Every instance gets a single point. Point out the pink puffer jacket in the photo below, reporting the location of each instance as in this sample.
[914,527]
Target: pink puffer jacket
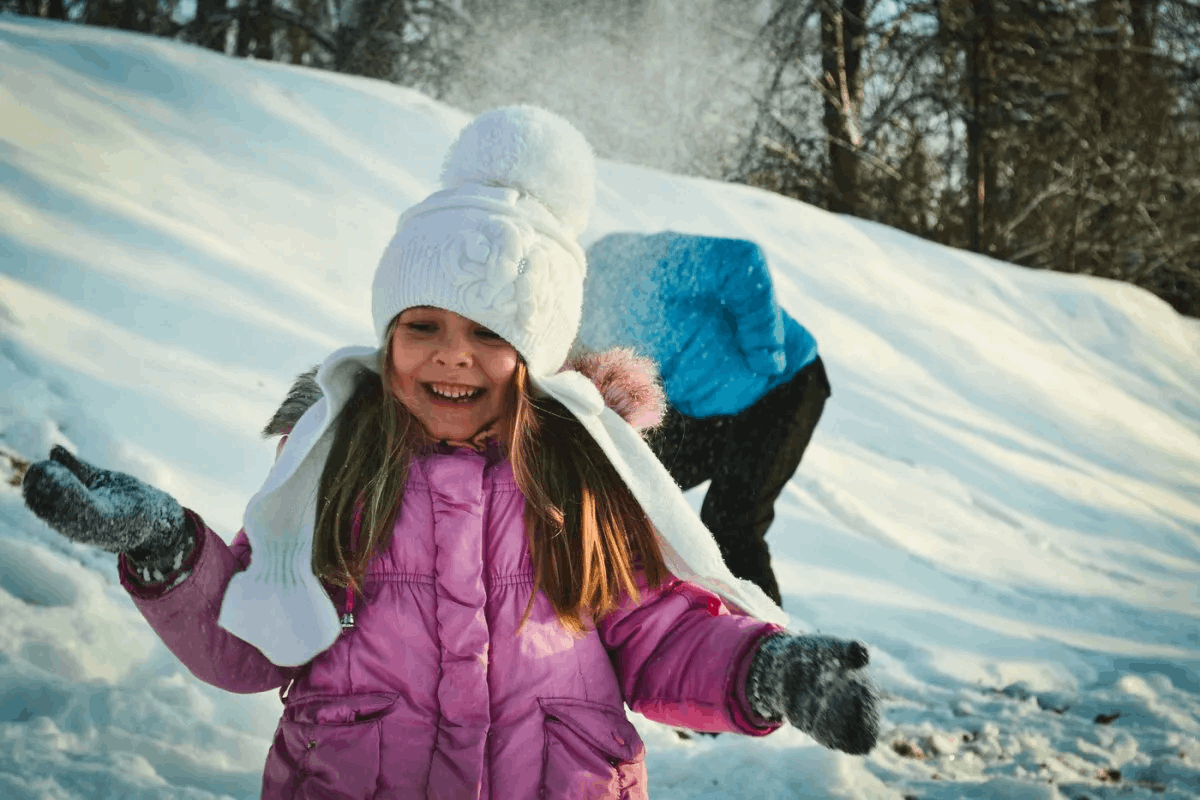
[434,694]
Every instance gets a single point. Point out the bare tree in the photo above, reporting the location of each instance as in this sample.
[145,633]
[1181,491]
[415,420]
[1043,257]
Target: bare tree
[1058,134]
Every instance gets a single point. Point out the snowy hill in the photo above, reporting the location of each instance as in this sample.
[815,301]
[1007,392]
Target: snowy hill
[1002,499]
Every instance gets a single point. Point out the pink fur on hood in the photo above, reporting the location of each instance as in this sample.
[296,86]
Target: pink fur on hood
[628,383]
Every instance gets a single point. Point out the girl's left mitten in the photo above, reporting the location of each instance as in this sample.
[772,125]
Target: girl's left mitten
[111,510]
[820,685]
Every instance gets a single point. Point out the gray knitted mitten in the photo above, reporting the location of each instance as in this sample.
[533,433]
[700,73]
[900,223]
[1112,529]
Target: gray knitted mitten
[819,684]
[111,510]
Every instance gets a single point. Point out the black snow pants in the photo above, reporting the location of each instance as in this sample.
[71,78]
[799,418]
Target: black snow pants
[749,457]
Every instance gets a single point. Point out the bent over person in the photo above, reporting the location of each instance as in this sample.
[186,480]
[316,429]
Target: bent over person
[744,383]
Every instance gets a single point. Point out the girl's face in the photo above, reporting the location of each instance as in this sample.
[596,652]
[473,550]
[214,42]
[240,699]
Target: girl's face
[453,374]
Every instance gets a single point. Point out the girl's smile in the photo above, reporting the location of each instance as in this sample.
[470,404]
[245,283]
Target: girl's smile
[453,374]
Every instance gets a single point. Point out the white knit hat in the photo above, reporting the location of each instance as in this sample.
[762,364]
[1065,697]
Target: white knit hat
[499,246]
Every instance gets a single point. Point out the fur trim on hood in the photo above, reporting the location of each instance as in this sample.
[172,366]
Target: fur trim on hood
[628,383]
[303,394]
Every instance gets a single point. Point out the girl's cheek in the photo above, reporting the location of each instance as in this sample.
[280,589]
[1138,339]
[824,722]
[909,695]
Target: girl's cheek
[505,368]
[505,383]
[507,392]
[405,361]
[401,385]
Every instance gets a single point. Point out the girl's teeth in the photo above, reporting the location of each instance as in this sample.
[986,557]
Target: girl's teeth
[452,392]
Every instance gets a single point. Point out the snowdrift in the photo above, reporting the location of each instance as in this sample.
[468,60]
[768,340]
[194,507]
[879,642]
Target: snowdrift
[1002,499]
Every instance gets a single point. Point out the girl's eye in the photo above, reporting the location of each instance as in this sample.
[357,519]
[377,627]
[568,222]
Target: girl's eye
[421,327]
[488,334]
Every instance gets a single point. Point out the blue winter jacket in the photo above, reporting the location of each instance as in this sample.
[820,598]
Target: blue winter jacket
[703,307]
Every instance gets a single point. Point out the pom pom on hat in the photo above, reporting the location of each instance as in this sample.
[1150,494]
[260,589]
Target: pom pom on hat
[532,150]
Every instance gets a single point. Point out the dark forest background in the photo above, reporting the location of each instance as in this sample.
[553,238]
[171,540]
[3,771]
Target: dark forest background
[1055,135]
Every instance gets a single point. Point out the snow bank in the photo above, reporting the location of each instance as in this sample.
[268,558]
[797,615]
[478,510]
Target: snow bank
[1002,498]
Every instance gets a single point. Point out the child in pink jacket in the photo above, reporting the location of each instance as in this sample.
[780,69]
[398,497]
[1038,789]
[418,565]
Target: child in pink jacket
[465,561]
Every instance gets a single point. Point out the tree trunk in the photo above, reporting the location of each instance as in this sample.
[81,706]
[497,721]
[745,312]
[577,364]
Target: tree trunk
[842,29]
[298,40]
[264,28]
[1143,18]
[243,40]
[125,16]
[210,34]
[1149,101]
[254,30]
[1108,64]
[978,120]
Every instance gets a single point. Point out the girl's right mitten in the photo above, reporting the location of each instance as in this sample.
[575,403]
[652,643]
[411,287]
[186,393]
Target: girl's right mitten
[820,685]
[111,510]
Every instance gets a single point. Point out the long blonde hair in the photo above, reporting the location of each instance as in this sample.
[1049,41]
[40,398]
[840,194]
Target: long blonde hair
[588,536]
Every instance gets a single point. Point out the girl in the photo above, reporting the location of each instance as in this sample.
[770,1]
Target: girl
[463,562]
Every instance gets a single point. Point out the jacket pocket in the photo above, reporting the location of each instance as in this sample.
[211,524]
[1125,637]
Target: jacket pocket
[327,747]
[591,752]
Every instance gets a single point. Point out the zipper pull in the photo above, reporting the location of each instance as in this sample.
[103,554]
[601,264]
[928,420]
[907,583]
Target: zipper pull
[348,611]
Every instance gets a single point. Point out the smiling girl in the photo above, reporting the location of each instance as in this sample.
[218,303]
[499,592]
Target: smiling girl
[511,565]
[451,373]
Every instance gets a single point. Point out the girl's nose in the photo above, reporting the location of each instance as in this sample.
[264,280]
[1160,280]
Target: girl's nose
[452,359]
[454,354]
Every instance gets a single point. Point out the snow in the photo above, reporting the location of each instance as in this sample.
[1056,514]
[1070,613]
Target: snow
[1002,499]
